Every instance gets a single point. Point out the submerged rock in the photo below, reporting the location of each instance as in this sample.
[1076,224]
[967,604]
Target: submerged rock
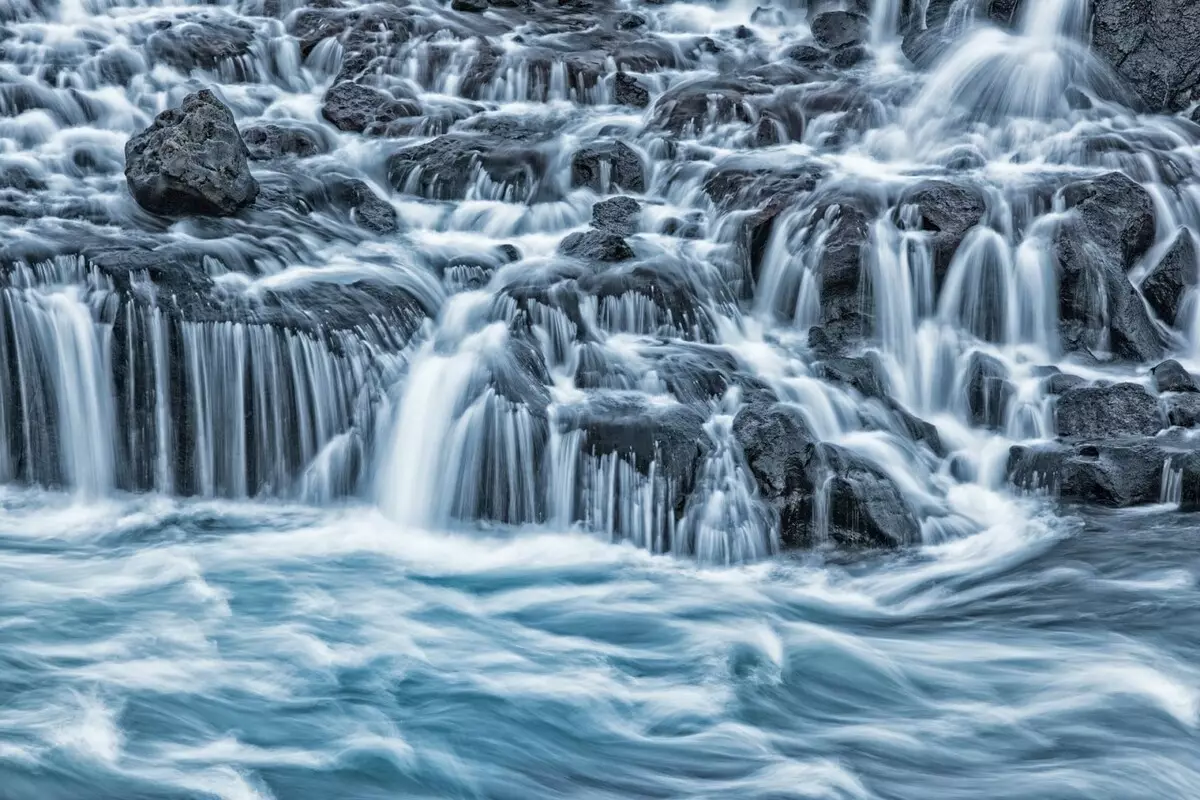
[834,29]
[191,160]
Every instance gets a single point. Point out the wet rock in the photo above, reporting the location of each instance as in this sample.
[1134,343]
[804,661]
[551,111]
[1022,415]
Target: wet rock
[370,211]
[1124,409]
[845,306]
[1170,376]
[191,160]
[1154,45]
[629,92]
[778,446]
[596,245]
[470,6]
[807,54]
[847,57]
[865,507]
[270,141]
[1105,473]
[444,168]
[1111,226]
[617,215]
[1061,383]
[1169,281]
[864,374]
[19,178]
[1183,410]
[202,43]
[628,21]
[624,168]
[311,26]
[669,436]
[675,301]
[361,109]
[691,106]
[917,429]
[947,211]
[988,391]
[834,29]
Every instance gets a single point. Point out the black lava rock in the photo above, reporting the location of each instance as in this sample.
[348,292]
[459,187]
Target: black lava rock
[191,160]
[629,91]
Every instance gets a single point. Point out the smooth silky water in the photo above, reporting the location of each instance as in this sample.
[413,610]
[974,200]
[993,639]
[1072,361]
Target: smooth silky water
[374,560]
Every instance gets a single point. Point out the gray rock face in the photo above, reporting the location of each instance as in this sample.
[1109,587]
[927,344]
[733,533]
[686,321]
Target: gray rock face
[1166,285]
[191,160]
[1125,409]
[1154,46]
[834,29]
[270,141]
[629,91]
[1112,225]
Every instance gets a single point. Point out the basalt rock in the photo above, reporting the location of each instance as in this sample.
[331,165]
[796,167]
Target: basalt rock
[608,164]
[988,391]
[191,160]
[1124,409]
[1111,226]
[1154,46]
[202,43]
[596,245]
[947,211]
[1169,281]
[834,29]
[628,91]
[617,215]
[362,109]
[691,106]
[1115,474]
[270,141]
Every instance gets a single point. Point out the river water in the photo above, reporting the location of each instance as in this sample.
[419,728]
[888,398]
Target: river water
[295,509]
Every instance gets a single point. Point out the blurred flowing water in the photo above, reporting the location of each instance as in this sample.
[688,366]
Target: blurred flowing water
[292,510]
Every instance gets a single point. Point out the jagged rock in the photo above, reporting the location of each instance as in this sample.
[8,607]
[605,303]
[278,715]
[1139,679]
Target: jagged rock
[270,141]
[1154,45]
[863,373]
[1111,225]
[371,211]
[361,109]
[988,391]
[864,508]
[1183,410]
[1170,376]
[1176,273]
[833,29]
[629,91]
[1109,474]
[594,245]
[617,215]
[202,43]
[947,211]
[1124,409]
[690,106]
[625,169]
[191,160]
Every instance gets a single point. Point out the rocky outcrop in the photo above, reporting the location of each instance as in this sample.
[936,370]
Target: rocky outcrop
[1154,46]
[1100,413]
[191,160]
[1110,227]
[1168,283]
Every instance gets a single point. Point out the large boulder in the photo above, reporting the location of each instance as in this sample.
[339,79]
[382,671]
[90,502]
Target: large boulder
[1109,474]
[1169,281]
[361,109]
[1110,227]
[1154,45]
[1095,412]
[596,245]
[1170,376]
[793,472]
[947,211]
[191,160]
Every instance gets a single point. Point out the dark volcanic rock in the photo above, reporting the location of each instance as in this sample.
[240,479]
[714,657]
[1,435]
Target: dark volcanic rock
[834,29]
[356,108]
[1154,45]
[267,142]
[862,373]
[444,168]
[191,160]
[1112,225]
[845,306]
[1170,376]
[863,506]
[1183,410]
[617,215]
[200,44]
[625,169]
[671,436]
[629,91]
[371,211]
[1061,383]
[988,391]
[1109,474]
[594,245]
[690,106]
[1166,285]
[1124,409]
[947,211]
[470,6]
